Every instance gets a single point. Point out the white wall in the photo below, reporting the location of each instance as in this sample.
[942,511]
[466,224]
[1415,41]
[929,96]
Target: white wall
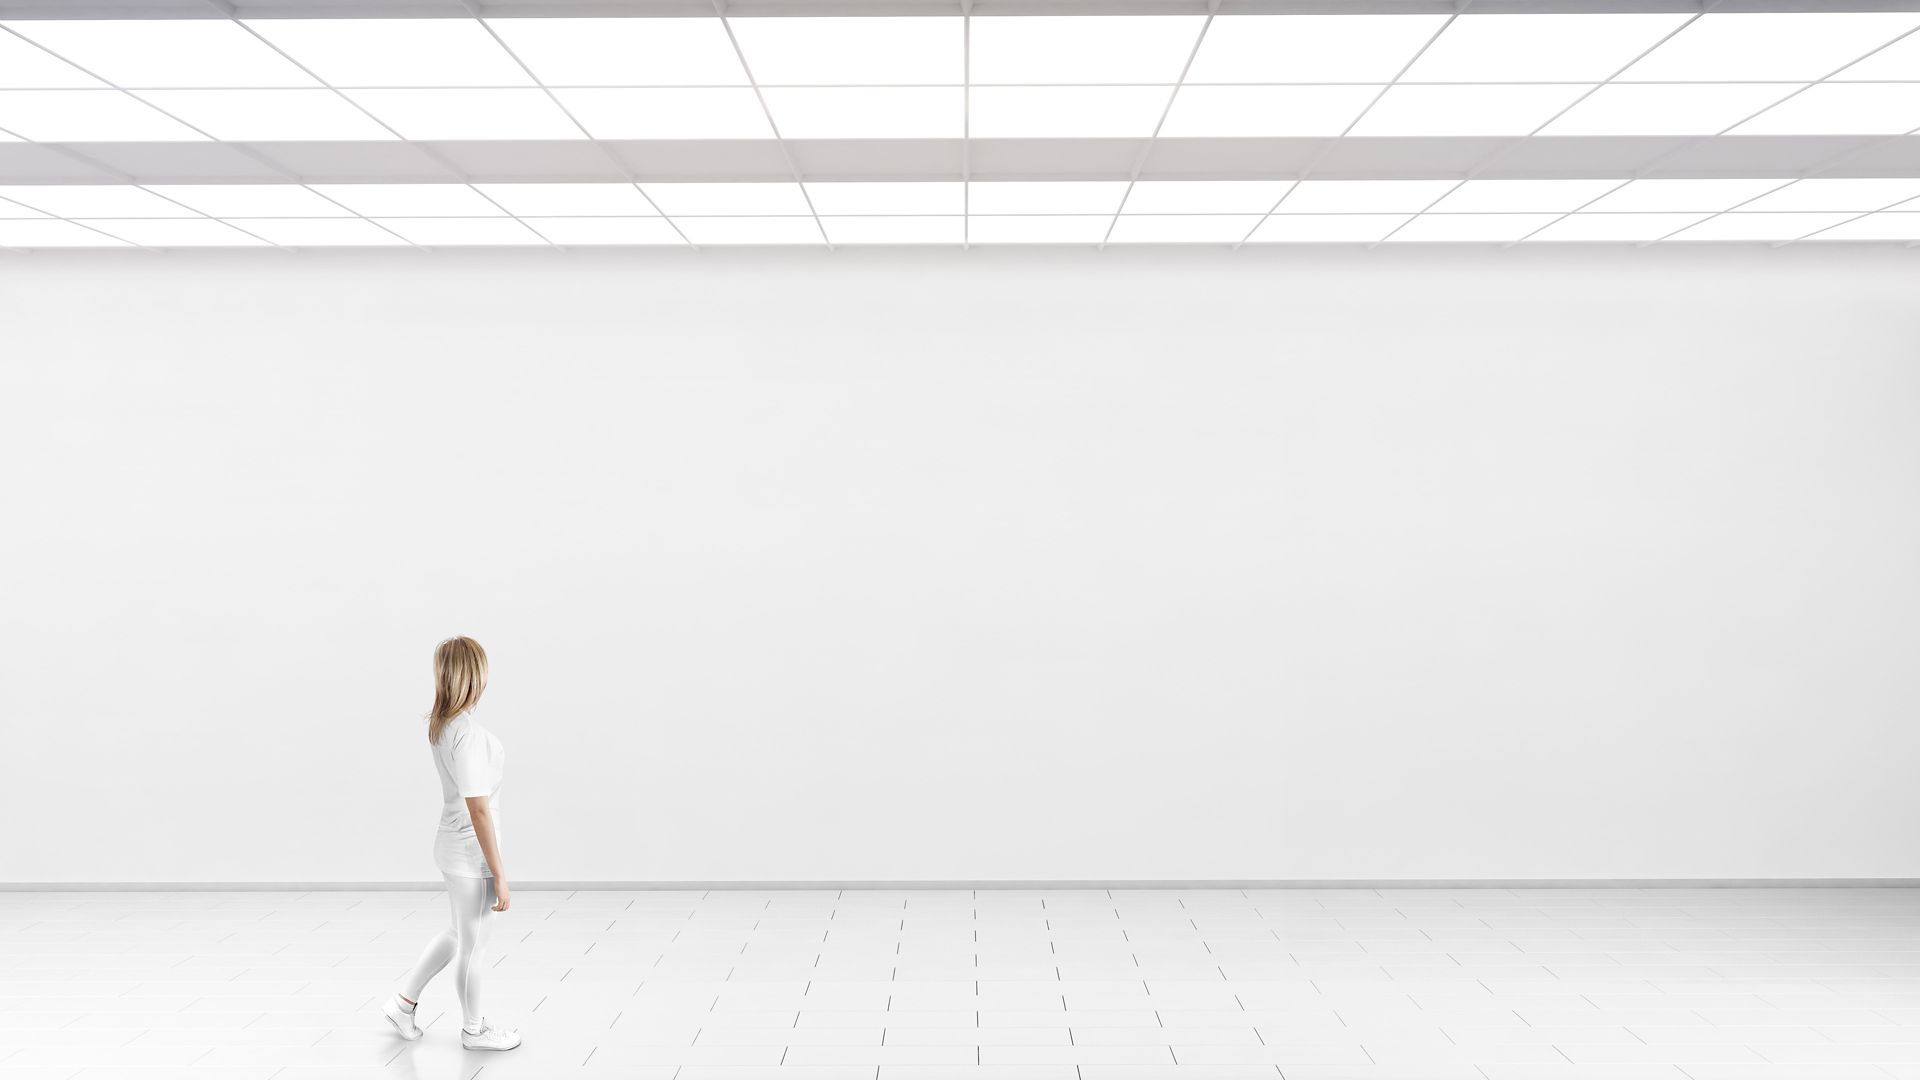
[1436,563]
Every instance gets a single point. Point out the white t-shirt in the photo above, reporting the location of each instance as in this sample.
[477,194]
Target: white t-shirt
[471,762]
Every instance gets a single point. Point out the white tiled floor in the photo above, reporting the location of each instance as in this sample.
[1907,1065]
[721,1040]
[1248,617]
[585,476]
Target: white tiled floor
[1488,984]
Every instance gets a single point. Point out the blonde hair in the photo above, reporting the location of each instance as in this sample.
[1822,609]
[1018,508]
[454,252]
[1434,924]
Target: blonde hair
[459,678]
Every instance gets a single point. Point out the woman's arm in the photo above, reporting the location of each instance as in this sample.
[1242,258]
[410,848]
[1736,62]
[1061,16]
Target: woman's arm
[489,846]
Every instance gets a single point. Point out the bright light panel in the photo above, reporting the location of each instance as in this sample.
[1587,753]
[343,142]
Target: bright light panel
[1309,48]
[1615,228]
[469,114]
[1841,109]
[751,230]
[712,113]
[463,232]
[48,233]
[24,65]
[1082,48]
[1087,112]
[323,232]
[1771,227]
[166,52]
[11,209]
[852,50]
[88,116]
[1465,110]
[410,200]
[624,52]
[726,200]
[1772,45]
[1182,228]
[1665,109]
[1474,228]
[395,52]
[1362,196]
[94,200]
[570,200]
[874,198]
[895,230]
[1273,111]
[194,232]
[250,200]
[1900,60]
[1326,228]
[1539,48]
[1903,226]
[269,115]
[1063,197]
[1711,196]
[1038,229]
[1522,196]
[895,112]
[1854,194]
[1205,197]
[592,231]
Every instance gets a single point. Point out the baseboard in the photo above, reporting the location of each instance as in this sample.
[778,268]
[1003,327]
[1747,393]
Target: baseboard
[784,886]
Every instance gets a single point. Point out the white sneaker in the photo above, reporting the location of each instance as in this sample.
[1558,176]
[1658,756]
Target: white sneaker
[489,1037]
[400,1017]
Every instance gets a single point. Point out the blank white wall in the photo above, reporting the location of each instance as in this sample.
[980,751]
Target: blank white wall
[1438,563]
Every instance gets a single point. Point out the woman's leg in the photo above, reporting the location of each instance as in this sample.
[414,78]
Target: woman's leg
[432,959]
[472,901]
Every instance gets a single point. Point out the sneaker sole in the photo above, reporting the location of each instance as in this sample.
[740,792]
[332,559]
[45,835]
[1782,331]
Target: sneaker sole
[466,1046]
[402,1032]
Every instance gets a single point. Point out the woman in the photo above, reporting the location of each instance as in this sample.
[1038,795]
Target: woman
[466,849]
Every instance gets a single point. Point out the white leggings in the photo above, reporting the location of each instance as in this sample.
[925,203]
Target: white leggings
[472,900]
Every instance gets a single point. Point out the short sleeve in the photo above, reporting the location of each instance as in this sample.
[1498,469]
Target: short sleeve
[469,762]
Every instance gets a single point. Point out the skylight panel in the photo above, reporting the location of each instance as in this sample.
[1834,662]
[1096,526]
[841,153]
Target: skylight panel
[697,113]
[270,115]
[1767,227]
[410,200]
[323,232]
[895,112]
[1838,193]
[624,52]
[1309,48]
[177,232]
[1899,60]
[469,114]
[727,200]
[1325,228]
[1081,48]
[93,201]
[1362,196]
[24,65]
[1085,112]
[828,51]
[1205,197]
[88,116]
[1798,45]
[1711,196]
[165,52]
[1889,226]
[250,200]
[595,231]
[11,209]
[1271,111]
[1666,109]
[1056,197]
[463,232]
[1841,109]
[1539,47]
[1465,110]
[50,233]
[395,52]
[1469,228]
[1038,229]
[1522,196]
[949,229]
[1182,228]
[1614,228]
[717,231]
[570,200]
[875,198]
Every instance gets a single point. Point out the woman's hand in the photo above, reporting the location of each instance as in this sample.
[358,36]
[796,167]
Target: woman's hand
[503,895]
